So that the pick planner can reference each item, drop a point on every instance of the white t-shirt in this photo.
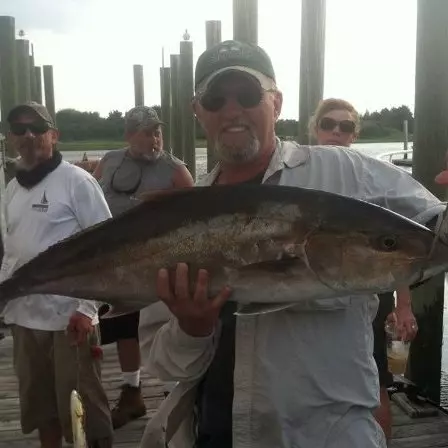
(65, 202)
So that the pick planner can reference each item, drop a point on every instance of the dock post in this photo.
(23, 70)
(165, 93)
(312, 61)
(406, 138)
(429, 149)
(186, 92)
(8, 69)
(49, 90)
(212, 37)
(33, 81)
(139, 89)
(8, 85)
(245, 21)
(175, 118)
(38, 75)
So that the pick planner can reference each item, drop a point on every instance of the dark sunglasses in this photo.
(247, 98)
(34, 128)
(346, 126)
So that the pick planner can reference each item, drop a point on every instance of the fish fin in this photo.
(254, 309)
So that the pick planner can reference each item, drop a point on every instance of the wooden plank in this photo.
(407, 432)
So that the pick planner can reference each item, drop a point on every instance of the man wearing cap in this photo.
(124, 174)
(303, 377)
(49, 200)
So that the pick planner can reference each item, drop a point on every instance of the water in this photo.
(372, 149)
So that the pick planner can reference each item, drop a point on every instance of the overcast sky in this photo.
(92, 44)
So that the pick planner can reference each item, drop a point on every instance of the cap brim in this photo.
(265, 82)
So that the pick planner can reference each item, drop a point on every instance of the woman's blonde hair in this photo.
(328, 105)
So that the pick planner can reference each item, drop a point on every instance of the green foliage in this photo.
(83, 126)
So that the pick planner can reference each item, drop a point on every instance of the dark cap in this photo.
(37, 108)
(234, 55)
(141, 117)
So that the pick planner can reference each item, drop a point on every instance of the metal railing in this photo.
(391, 156)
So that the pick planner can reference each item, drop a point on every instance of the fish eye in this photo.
(388, 242)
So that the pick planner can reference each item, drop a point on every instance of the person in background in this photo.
(124, 174)
(303, 377)
(48, 200)
(336, 122)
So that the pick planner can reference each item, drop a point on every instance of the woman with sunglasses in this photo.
(336, 122)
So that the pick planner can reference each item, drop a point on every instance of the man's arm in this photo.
(390, 187)
(182, 178)
(98, 172)
(177, 356)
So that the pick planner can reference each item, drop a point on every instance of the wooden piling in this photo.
(186, 92)
(33, 81)
(245, 21)
(139, 89)
(429, 149)
(165, 94)
(175, 120)
(8, 70)
(49, 90)
(312, 59)
(38, 75)
(23, 70)
(212, 37)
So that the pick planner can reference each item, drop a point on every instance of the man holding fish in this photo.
(303, 376)
(271, 335)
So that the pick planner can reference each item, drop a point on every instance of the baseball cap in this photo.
(37, 108)
(141, 117)
(237, 56)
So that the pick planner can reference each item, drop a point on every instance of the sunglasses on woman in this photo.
(345, 126)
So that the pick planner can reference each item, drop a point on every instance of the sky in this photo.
(93, 44)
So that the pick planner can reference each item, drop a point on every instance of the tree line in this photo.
(75, 125)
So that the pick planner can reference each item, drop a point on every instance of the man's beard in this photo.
(236, 155)
(150, 156)
(30, 155)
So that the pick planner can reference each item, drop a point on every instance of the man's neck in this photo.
(241, 172)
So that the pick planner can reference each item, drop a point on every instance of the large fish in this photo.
(273, 245)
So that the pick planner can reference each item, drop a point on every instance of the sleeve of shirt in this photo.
(395, 189)
(90, 208)
(176, 356)
(89, 204)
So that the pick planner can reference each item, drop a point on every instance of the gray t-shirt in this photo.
(123, 177)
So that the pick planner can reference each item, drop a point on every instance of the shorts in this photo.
(47, 369)
(385, 307)
(118, 328)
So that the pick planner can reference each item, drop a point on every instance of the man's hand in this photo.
(405, 323)
(442, 177)
(197, 313)
(79, 327)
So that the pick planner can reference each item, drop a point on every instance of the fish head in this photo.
(375, 257)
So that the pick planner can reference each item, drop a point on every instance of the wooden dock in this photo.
(426, 432)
